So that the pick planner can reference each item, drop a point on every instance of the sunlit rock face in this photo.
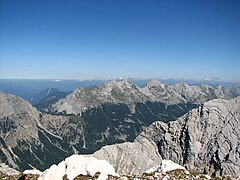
(205, 139)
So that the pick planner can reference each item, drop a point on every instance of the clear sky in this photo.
(80, 39)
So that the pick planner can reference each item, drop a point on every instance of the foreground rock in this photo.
(206, 139)
(77, 165)
(8, 173)
(131, 158)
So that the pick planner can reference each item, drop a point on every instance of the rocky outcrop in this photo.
(202, 93)
(235, 90)
(131, 158)
(206, 139)
(8, 173)
(159, 92)
(89, 167)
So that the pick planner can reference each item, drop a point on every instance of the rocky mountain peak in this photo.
(124, 79)
(121, 91)
(121, 83)
(11, 105)
(155, 83)
(50, 90)
(159, 92)
(182, 87)
(202, 93)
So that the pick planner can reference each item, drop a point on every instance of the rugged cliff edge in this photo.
(25, 139)
(206, 139)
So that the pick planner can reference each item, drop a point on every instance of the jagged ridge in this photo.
(123, 91)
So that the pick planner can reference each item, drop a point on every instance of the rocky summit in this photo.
(202, 93)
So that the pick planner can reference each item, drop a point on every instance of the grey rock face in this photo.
(25, 141)
(205, 139)
(131, 158)
(202, 93)
(30, 138)
(235, 90)
(159, 92)
(18, 121)
(113, 92)
(17, 114)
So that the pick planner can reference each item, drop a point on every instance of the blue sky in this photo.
(77, 39)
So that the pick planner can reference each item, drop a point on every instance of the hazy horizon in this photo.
(124, 77)
(106, 39)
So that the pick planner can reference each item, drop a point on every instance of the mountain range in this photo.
(123, 91)
(115, 112)
(204, 142)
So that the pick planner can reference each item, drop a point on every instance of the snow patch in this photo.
(32, 171)
(79, 165)
(153, 169)
(55, 172)
(168, 165)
